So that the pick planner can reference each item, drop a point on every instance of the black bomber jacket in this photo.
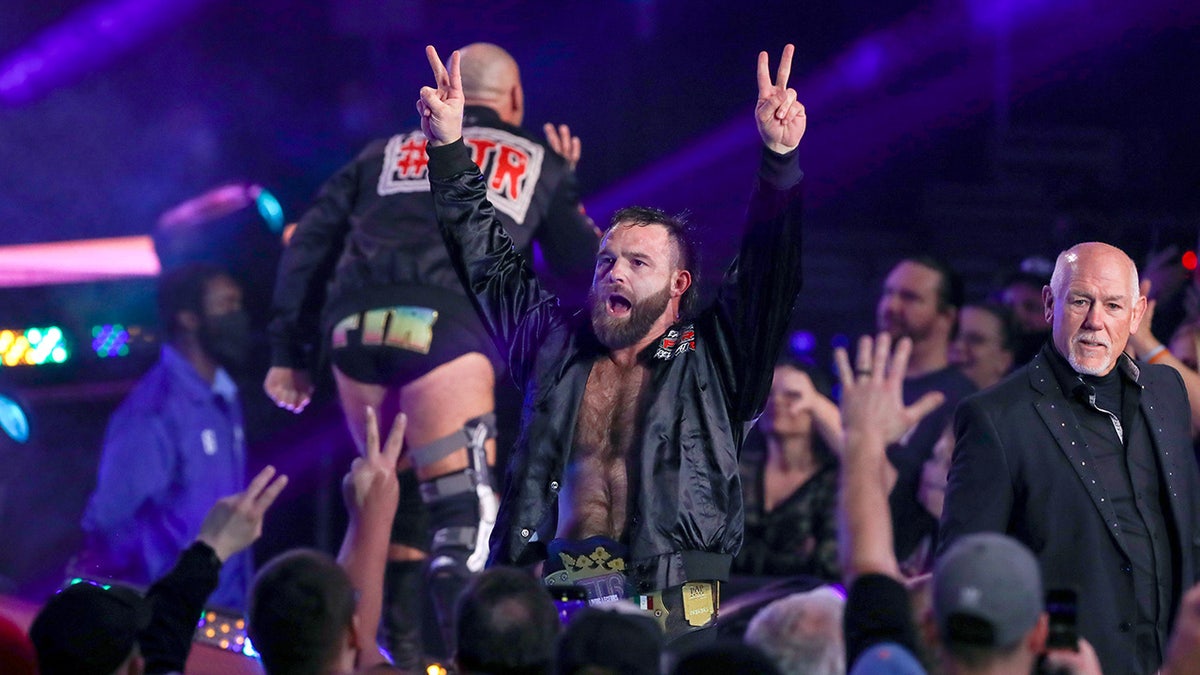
(372, 227)
(710, 377)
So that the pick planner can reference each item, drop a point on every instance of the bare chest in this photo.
(595, 495)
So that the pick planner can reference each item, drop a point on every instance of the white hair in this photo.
(802, 633)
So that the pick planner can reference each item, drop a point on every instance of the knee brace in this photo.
(462, 511)
(462, 505)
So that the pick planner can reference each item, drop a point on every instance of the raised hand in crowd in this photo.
(371, 488)
(873, 416)
(872, 399)
(1147, 347)
(371, 491)
(1163, 271)
(236, 521)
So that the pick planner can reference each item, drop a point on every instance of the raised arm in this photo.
(512, 304)
(873, 417)
(371, 491)
(754, 303)
(441, 107)
(562, 142)
(232, 525)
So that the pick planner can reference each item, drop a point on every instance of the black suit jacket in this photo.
(1021, 467)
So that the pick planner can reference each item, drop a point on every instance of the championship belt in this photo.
(597, 564)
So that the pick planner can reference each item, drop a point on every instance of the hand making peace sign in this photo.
(441, 109)
(780, 117)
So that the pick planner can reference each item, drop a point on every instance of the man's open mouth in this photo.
(619, 305)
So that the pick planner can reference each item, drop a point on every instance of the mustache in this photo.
(1091, 337)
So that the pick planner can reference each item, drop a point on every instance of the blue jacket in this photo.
(173, 447)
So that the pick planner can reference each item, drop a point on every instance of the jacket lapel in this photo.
(1056, 414)
(1167, 448)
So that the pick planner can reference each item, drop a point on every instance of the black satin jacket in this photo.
(372, 228)
(710, 377)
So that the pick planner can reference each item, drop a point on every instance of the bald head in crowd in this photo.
(490, 77)
(1093, 304)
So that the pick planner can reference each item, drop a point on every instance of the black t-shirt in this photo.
(910, 521)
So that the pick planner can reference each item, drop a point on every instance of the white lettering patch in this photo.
(511, 166)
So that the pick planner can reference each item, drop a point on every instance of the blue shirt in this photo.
(173, 448)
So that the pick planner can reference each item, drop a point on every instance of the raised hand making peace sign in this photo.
(441, 109)
(779, 115)
(371, 488)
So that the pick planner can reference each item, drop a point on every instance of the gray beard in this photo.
(618, 333)
(1087, 370)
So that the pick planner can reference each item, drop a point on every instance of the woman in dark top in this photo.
(789, 475)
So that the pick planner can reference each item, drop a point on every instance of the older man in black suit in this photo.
(1085, 456)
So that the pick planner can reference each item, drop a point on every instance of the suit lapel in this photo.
(1174, 476)
(1060, 421)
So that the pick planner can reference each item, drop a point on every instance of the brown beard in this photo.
(618, 333)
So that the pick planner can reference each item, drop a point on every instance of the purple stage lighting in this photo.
(930, 70)
(85, 42)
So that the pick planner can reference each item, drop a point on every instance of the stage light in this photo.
(803, 343)
(248, 649)
(87, 40)
(112, 340)
(1189, 261)
(224, 630)
(81, 260)
(220, 202)
(33, 347)
(269, 208)
(13, 420)
(81, 580)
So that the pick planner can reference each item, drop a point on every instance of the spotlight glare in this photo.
(270, 209)
(13, 420)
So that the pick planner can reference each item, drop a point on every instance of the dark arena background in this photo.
(982, 131)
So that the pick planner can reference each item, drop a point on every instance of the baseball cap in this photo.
(887, 658)
(88, 628)
(987, 591)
